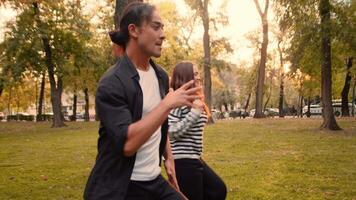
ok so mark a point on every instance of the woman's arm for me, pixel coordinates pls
(180, 123)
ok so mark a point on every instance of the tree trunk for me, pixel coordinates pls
(2, 85)
(86, 97)
(329, 121)
(17, 106)
(41, 97)
(74, 114)
(269, 94)
(56, 95)
(247, 101)
(119, 8)
(9, 102)
(56, 88)
(301, 106)
(281, 97)
(226, 107)
(308, 112)
(345, 91)
(353, 98)
(266, 103)
(206, 43)
(262, 64)
(281, 87)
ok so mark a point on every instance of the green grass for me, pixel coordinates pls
(257, 159)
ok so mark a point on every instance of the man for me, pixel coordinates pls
(133, 101)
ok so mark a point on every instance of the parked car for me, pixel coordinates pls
(21, 116)
(225, 115)
(271, 112)
(46, 117)
(252, 112)
(238, 113)
(2, 116)
(80, 115)
(338, 109)
(216, 114)
(268, 112)
(315, 109)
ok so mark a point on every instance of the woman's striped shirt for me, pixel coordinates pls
(186, 127)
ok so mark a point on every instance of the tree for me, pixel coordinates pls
(261, 70)
(353, 97)
(18, 95)
(329, 121)
(281, 35)
(41, 97)
(271, 74)
(54, 29)
(281, 88)
(334, 29)
(176, 47)
(345, 91)
(247, 72)
(119, 8)
(2, 85)
(22, 52)
(56, 85)
(345, 22)
(201, 7)
(81, 64)
(224, 94)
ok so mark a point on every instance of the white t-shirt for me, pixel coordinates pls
(147, 158)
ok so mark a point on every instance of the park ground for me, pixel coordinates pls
(257, 159)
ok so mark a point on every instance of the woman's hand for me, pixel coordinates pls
(198, 104)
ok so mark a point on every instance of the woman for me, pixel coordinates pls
(195, 178)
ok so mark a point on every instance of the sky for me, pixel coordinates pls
(6, 14)
(242, 14)
(243, 18)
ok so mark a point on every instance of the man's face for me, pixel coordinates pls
(150, 36)
(197, 78)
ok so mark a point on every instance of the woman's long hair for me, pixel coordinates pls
(183, 72)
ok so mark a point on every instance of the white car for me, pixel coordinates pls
(252, 112)
(2, 116)
(315, 109)
(338, 109)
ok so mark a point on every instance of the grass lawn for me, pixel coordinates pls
(258, 159)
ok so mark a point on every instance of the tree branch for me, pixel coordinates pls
(258, 7)
(266, 7)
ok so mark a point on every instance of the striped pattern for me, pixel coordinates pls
(186, 132)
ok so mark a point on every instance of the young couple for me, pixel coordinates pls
(142, 118)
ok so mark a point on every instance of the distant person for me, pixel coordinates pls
(133, 102)
(294, 111)
(195, 178)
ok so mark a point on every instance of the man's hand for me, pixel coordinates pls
(183, 96)
(170, 168)
(171, 173)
